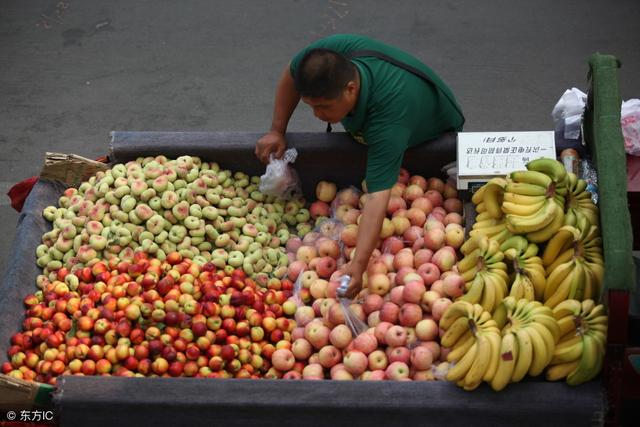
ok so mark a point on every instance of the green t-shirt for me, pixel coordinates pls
(395, 110)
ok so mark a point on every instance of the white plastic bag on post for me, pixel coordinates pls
(630, 122)
(567, 114)
(280, 179)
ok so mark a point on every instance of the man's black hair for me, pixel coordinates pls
(323, 73)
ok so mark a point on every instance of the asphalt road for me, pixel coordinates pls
(71, 71)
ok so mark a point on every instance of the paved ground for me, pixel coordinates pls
(71, 70)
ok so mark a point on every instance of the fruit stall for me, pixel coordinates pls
(169, 288)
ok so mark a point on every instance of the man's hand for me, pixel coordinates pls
(271, 143)
(355, 271)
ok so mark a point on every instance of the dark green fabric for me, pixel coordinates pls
(604, 136)
(396, 109)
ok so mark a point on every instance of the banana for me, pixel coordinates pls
(565, 256)
(558, 372)
(506, 363)
(566, 325)
(461, 347)
(495, 341)
(588, 367)
(556, 277)
(538, 281)
(455, 331)
(525, 189)
(530, 223)
(576, 291)
(595, 312)
(518, 243)
(569, 307)
(525, 356)
(519, 199)
(460, 369)
(567, 353)
(492, 197)
(547, 337)
(540, 355)
(470, 274)
(479, 367)
(517, 209)
(550, 167)
(488, 231)
(566, 235)
(562, 292)
(469, 261)
(531, 177)
(550, 229)
(488, 299)
(549, 322)
(478, 195)
(454, 311)
(474, 293)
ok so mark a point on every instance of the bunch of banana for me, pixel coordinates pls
(484, 272)
(533, 200)
(579, 355)
(527, 273)
(529, 336)
(474, 340)
(578, 204)
(574, 265)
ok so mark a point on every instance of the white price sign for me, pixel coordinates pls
(499, 153)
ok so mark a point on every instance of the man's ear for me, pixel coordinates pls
(351, 87)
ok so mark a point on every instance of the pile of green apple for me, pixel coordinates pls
(159, 206)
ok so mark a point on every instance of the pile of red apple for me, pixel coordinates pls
(151, 317)
(408, 285)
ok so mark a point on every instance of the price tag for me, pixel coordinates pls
(483, 155)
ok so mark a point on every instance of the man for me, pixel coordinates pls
(384, 98)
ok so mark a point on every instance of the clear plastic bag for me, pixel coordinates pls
(280, 179)
(630, 122)
(354, 323)
(567, 113)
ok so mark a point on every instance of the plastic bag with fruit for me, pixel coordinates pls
(354, 323)
(280, 179)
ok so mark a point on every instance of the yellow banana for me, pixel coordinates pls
(460, 369)
(567, 353)
(455, 331)
(576, 290)
(556, 277)
(488, 300)
(479, 367)
(550, 229)
(461, 347)
(566, 325)
(540, 356)
(469, 261)
(519, 199)
(565, 256)
(495, 340)
(564, 236)
(558, 372)
(517, 209)
(525, 356)
(506, 363)
(474, 294)
(525, 189)
(547, 337)
(562, 292)
(492, 197)
(568, 307)
(477, 196)
(455, 310)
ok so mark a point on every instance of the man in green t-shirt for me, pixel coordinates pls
(384, 97)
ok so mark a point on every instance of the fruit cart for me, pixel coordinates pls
(84, 400)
